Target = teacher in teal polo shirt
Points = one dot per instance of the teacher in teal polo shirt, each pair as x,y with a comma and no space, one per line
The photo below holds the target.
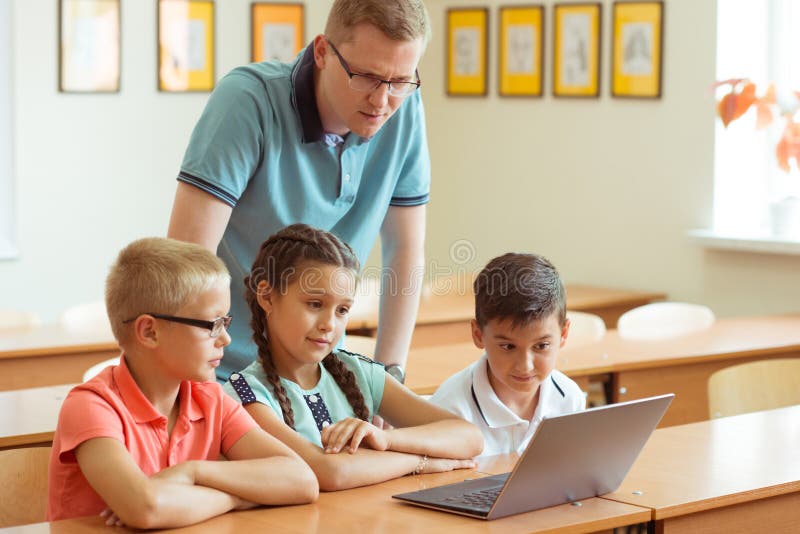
335,140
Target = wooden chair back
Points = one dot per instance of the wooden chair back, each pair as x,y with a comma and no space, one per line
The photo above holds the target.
23,479
754,386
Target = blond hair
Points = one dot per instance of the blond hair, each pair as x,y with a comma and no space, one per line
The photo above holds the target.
399,20
158,275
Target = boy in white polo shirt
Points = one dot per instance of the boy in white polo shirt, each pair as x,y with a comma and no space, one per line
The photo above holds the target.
520,322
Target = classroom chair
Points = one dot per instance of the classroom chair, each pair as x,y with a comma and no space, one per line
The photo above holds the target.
14,320
23,479
754,386
664,320
92,371
89,317
584,328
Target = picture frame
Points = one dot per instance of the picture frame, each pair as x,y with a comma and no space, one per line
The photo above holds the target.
637,51
185,47
276,31
89,46
576,50
467,51
521,65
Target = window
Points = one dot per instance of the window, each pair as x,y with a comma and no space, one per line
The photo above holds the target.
752,196
8,247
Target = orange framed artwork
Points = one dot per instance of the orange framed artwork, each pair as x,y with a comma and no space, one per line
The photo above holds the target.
276,31
185,45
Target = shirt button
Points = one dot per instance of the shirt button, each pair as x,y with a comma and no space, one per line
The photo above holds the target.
326,424
312,398
346,177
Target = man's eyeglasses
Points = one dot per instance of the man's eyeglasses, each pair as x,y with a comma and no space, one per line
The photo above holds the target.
365,83
215,327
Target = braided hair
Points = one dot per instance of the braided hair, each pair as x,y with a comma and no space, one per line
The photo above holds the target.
276,263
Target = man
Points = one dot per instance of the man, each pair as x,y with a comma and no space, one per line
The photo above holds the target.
335,140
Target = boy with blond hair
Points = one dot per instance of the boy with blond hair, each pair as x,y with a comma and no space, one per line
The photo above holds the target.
140,443
520,322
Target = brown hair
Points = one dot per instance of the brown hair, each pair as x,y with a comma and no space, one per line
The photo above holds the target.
520,287
278,261
158,275
399,20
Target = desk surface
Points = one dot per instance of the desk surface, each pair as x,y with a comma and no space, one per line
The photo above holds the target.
53,339
726,339
691,468
29,416
456,302
371,509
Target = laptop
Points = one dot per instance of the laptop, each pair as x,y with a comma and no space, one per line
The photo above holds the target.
570,457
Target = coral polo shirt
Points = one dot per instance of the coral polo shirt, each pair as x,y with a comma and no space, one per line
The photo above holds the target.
111,405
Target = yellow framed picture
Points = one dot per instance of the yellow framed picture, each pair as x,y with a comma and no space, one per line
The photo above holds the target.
276,31
185,45
636,60
467,51
521,50
576,50
89,46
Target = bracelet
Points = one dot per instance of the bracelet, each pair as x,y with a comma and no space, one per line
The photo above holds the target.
421,465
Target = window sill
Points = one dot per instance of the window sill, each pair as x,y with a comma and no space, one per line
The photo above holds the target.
765,244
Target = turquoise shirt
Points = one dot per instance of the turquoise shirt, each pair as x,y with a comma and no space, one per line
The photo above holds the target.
259,146
310,405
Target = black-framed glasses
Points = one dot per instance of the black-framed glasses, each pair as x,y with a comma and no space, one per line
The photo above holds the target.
214,327
365,83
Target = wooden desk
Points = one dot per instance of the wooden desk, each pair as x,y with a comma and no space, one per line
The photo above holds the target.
444,318
50,355
28,417
736,474
371,509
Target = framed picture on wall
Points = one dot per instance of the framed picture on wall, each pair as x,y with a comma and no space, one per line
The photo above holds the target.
467,51
89,46
521,50
636,60
276,31
185,45
576,50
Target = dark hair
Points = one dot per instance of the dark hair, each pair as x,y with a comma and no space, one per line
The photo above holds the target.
278,260
520,287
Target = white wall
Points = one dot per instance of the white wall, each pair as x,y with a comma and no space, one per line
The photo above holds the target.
606,188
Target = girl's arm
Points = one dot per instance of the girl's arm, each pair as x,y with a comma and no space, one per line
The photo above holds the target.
341,471
419,428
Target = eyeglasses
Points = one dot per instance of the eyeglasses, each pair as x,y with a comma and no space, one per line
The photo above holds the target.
215,327
365,83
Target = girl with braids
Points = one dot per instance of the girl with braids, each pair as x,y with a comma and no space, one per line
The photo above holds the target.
319,400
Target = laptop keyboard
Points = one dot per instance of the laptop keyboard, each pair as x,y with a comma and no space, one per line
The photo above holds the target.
478,499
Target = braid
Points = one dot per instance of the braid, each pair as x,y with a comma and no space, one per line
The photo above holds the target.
258,323
346,381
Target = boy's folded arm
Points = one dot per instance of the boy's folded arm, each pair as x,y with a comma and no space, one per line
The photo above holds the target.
336,471
262,470
424,428
145,502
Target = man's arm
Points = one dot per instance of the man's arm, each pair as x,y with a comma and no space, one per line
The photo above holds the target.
403,251
198,217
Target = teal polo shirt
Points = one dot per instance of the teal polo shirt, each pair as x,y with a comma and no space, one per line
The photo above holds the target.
259,147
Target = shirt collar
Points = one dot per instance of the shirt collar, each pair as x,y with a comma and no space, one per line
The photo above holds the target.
140,406
304,98
495,413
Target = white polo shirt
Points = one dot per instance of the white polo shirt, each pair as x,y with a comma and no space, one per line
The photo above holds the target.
469,394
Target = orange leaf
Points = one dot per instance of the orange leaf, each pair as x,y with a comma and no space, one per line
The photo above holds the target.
789,146
746,99
769,96
764,117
